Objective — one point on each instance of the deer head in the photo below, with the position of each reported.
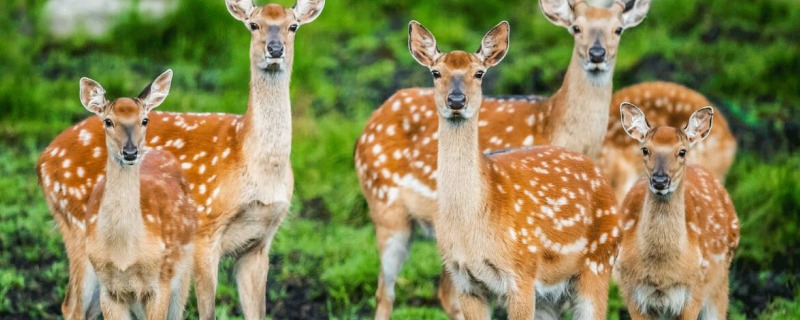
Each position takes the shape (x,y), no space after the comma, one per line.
(273,29)
(457,75)
(125,119)
(596,31)
(664,148)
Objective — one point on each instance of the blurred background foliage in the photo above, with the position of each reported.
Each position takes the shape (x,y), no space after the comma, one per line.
(743,55)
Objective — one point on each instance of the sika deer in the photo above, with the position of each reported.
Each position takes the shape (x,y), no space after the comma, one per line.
(237,166)
(395,156)
(532,227)
(680,227)
(668,104)
(141,218)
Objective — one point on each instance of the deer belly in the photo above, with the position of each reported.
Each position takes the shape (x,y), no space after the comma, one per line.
(253,225)
(661,302)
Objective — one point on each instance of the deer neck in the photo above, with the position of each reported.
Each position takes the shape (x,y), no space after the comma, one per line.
(579,116)
(461,185)
(268,121)
(119,223)
(661,232)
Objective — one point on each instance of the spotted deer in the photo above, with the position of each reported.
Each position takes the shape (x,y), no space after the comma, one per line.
(141,218)
(395,156)
(237,167)
(664,103)
(680,226)
(532,227)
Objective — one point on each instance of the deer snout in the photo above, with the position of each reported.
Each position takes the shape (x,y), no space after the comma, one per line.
(660,181)
(130,152)
(597,53)
(456,100)
(275,49)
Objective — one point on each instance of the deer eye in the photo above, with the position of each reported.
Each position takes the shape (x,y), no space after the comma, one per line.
(576,29)
(253,26)
(436,74)
(108,123)
(479,74)
(145,121)
(293,28)
(618,31)
(645,152)
(682,153)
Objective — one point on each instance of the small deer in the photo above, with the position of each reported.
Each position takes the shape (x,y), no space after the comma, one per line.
(664,103)
(533,227)
(141,218)
(680,227)
(396,159)
(237,166)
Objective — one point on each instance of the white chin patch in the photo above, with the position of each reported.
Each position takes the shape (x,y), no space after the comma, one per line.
(664,192)
(272,64)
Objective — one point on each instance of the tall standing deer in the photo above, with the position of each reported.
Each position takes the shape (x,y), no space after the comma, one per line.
(669,104)
(532,227)
(680,227)
(237,166)
(395,156)
(141,217)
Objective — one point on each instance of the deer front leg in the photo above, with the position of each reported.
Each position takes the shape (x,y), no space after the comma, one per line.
(252,266)
(206,270)
(393,233)
(474,307)
(692,310)
(522,304)
(113,308)
(157,306)
(448,296)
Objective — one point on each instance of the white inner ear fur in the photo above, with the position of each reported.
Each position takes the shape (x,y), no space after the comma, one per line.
(696,129)
(308,10)
(96,96)
(561,10)
(638,126)
(635,16)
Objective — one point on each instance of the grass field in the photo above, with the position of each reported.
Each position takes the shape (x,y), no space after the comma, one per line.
(324,262)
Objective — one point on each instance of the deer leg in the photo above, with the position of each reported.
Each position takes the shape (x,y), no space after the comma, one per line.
(178,297)
(157,305)
(720,301)
(393,232)
(113,309)
(522,304)
(591,299)
(206,270)
(252,267)
(448,296)
(474,307)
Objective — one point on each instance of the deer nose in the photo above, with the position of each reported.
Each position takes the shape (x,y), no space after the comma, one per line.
(275,49)
(597,54)
(660,181)
(130,152)
(456,100)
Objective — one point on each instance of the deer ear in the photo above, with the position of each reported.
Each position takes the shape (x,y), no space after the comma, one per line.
(422,44)
(559,12)
(93,96)
(154,94)
(699,126)
(494,45)
(240,9)
(634,14)
(308,10)
(633,121)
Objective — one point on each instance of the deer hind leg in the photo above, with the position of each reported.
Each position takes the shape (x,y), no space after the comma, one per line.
(207,253)
(448,296)
(113,308)
(393,232)
(252,266)
(591,294)
(157,305)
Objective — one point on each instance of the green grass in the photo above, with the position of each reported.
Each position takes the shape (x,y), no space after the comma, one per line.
(324,263)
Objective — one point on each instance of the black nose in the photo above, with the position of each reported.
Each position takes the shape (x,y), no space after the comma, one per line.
(660,182)
(597,54)
(456,100)
(275,49)
(129,153)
